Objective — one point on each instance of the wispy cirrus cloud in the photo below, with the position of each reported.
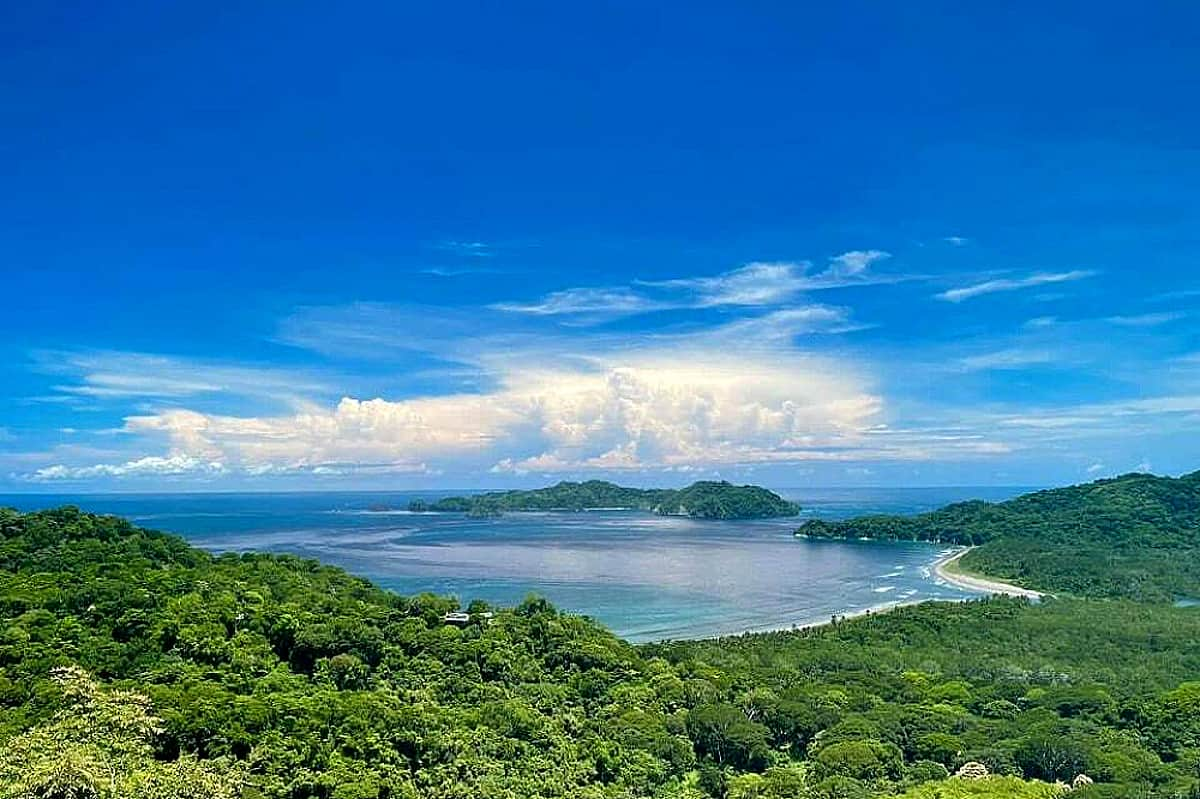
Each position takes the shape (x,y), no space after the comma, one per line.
(1013,358)
(589,301)
(472,249)
(779,328)
(1012,284)
(756,284)
(1147,319)
(114,375)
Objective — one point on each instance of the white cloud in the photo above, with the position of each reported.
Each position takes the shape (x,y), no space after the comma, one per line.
(1096,468)
(957,241)
(696,401)
(473,249)
(759,283)
(1147,319)
(778,328)
(371,330)
(111,375)
(443,271)
(649,410)
(1012,284)
(856,262)
(1015,358)
(1043,427)
(148,466)
(606,301)
(670,407)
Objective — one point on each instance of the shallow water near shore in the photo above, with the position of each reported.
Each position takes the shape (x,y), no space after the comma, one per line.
(646,577)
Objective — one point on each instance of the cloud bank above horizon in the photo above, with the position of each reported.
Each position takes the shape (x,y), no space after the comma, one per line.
(723,374)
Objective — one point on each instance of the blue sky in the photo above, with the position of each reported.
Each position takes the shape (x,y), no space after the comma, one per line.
(499,244)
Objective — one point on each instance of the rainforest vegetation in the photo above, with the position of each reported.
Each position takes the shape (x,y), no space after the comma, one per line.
(701,500)
(134,665)
(1136,536)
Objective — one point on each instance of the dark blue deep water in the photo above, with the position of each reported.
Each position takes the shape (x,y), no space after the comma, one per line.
(644,576)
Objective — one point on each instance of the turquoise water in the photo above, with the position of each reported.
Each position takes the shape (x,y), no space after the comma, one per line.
(646,577)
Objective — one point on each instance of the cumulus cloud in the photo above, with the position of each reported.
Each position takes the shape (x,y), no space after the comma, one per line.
(1012,284)
(649,409)
(152,465)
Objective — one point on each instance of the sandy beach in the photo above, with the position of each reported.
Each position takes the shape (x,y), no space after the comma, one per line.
(980,584)
(942,570)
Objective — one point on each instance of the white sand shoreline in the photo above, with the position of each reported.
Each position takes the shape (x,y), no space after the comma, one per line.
(980,584)
(966,582)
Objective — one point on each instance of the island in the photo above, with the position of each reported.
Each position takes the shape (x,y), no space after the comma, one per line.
(700,500)
(1136,536)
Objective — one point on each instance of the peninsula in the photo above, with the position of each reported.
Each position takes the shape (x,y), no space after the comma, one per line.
(700,500)
(947,570)
(1136,536)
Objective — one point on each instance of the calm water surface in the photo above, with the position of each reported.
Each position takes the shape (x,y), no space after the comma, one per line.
(644,576)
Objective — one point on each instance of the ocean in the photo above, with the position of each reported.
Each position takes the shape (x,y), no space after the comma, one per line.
(645,577)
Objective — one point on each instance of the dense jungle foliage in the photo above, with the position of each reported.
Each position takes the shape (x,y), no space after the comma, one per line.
(701,500)
(133,665)
(1136,536)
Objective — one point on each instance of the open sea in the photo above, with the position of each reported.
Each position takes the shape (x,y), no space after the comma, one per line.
(646,577)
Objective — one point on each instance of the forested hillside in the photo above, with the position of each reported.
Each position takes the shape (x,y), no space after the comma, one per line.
(270,676)
(1136,536)
(701,500)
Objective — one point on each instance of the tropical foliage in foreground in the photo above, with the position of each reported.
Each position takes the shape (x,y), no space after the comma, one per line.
(271,676)
(101,744)
(1136,536)
(702,500)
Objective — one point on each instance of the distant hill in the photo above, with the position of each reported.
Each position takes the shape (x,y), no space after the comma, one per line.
(701,500)
(1134,536)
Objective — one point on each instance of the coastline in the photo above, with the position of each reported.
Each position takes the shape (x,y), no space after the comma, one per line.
(978,584)
(970,583)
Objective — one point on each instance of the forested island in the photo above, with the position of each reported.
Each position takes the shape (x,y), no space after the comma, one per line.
(700,500)
(133,665)
(1135,536)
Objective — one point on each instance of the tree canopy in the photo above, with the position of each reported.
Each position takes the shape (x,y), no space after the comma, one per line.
(1136,536)
(132,664)
(703,500)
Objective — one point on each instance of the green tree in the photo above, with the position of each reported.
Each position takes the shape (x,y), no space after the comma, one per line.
(100,746)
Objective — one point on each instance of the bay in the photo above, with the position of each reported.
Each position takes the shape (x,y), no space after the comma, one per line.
(646,577)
